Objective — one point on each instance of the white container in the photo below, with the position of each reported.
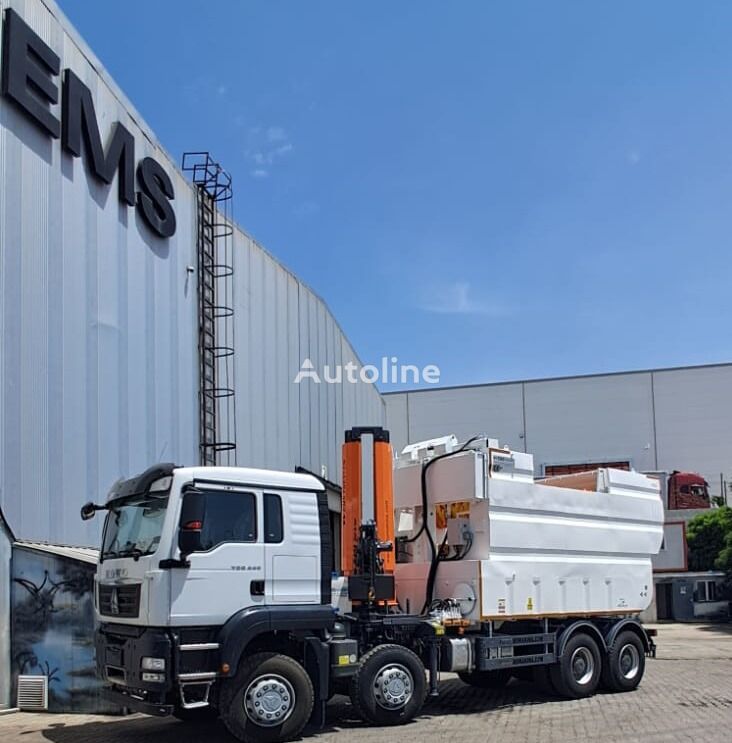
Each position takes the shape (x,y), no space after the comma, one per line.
(538,550)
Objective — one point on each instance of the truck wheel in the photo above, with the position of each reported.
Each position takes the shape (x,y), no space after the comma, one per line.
(577,673)
(486,679)
(389,687)
(625,663)
(269,700)
(542,678)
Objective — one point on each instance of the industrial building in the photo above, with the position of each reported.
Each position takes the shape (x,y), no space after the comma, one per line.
(661,419)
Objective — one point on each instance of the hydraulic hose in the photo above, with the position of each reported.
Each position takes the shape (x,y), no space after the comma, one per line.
(424,528)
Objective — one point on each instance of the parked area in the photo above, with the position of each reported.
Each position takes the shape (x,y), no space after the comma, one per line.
(686,695)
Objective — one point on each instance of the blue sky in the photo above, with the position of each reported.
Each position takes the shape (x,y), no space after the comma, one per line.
(506,190)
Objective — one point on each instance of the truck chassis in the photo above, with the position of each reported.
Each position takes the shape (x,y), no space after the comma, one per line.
(267,681)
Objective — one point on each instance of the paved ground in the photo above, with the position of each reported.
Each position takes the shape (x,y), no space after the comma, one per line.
(686,695)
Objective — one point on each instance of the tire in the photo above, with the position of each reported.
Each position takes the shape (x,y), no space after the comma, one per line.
(625,663)
(199,714)
(265,686)
(389,687)
(542,679)
(486,679)
(577,674)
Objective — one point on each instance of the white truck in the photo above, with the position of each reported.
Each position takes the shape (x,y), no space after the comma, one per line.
(213,592)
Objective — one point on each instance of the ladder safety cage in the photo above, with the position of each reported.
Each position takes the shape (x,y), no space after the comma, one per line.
(215,246)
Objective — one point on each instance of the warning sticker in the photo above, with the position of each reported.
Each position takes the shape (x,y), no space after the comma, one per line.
(529,604)
(501,606)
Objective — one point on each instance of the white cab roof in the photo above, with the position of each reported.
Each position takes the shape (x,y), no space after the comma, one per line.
(251,477)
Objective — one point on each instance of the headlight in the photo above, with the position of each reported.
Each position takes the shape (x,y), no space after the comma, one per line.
(153,664)
(157,678)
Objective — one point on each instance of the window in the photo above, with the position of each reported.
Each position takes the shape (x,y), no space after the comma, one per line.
(134,525)
(705,590)
(229,517)
(272,518)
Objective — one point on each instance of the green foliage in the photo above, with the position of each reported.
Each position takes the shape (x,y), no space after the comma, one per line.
(709,537)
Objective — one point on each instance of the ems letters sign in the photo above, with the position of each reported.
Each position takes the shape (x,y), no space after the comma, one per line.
(32,79)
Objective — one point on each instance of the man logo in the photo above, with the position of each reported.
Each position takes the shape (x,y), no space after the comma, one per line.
(114,602)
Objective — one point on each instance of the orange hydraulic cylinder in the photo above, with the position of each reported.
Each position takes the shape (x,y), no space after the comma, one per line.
(350,505)
(351,502)
(384,500)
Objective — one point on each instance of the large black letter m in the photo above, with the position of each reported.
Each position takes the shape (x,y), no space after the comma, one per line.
(79,119)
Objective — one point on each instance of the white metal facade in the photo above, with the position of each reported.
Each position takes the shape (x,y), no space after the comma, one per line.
(6,551)
(98,327)
(657,420)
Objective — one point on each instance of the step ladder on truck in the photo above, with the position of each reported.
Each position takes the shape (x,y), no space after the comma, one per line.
(214,588)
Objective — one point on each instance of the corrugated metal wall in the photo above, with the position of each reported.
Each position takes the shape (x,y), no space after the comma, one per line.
(98,334)
(656,420)
(6,551)
(280,322)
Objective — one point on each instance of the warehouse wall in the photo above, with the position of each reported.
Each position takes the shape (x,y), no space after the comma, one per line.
(98,328)
(658,420)
(6,551)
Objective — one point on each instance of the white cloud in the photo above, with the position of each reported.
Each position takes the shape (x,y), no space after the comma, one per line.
(265,147)
(457,299)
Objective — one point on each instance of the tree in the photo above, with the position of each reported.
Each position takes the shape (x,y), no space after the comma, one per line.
(709,537)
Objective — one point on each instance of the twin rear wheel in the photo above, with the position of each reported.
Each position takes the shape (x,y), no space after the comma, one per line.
(625,663)
(577,673)
(582,667)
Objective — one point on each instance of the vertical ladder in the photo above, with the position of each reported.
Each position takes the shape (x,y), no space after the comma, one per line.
(217,406)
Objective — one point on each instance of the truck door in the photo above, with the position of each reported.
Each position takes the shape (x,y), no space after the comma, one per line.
(292,547)
(228,573)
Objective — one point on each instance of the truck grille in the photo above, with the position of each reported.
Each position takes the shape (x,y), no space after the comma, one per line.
(119,601)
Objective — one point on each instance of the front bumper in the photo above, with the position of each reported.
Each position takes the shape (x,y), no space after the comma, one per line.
(125,698)
(120,650)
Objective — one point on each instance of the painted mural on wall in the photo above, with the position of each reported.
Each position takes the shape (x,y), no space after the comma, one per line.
(53,629)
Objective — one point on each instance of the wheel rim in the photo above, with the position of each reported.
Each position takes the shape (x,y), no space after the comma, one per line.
(393,686)
(582,664)
(629,661)
(269,700)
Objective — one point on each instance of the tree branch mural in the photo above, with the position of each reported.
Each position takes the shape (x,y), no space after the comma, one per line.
(53,628)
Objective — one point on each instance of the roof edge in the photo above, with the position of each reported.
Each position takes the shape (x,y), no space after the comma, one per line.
(532,380)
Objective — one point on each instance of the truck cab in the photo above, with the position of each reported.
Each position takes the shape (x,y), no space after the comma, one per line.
(687,490)
(195,564)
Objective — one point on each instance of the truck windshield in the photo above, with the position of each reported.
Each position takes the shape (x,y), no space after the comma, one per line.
(134,525)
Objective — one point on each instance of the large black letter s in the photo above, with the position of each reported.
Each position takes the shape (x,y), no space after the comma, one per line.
(153,199)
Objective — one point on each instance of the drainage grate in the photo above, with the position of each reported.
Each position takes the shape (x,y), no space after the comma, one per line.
(33,693)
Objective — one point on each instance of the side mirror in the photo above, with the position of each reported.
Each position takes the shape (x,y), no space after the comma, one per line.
(192,514)
(88,511)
